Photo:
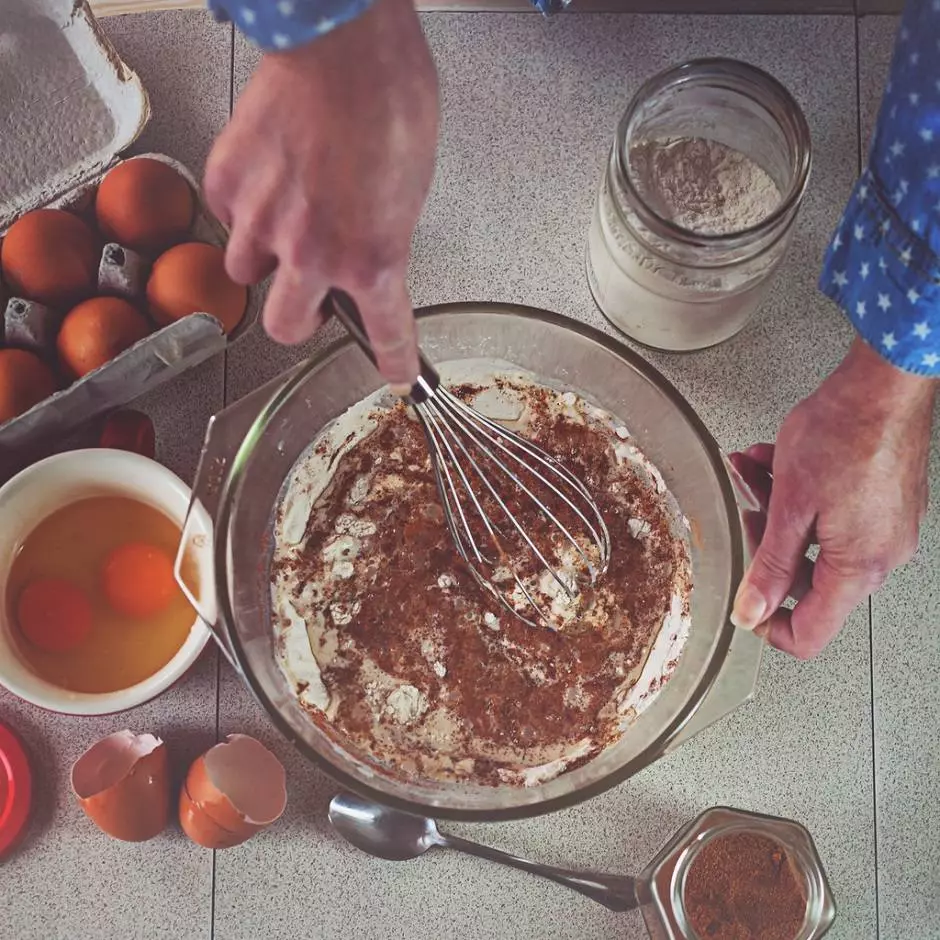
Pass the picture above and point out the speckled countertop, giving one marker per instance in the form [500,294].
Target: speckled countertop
[848,743]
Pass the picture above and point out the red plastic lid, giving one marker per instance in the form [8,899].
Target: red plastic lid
[16,786]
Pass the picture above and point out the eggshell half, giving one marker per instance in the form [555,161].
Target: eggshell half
[234,790]
[204,831]
[123,785]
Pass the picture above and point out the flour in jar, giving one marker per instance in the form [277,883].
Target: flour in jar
[682,296]
[702,185]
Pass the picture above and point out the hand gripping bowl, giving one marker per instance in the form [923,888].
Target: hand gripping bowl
[251,447]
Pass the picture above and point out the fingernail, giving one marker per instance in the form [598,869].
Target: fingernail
[400,389]
[750,608]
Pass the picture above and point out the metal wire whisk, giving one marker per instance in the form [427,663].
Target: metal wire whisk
[457,436]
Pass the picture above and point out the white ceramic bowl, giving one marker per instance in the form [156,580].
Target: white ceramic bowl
[40,490]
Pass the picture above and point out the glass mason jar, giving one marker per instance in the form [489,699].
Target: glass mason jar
[664,285]
[661,887]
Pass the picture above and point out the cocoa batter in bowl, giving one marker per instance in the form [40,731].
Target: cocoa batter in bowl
[347,613]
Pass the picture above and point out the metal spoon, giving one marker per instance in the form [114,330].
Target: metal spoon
[397,836]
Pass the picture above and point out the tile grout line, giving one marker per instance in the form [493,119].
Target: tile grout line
[218,656]
[231,107]
[871,603]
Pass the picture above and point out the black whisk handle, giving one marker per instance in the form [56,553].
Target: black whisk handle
[340,305]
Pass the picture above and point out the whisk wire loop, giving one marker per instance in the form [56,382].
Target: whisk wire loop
[454,431]
[478,425]
[456,435]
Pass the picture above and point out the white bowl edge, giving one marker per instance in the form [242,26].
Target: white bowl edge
[41,489]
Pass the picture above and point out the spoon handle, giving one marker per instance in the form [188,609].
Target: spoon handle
[616,892]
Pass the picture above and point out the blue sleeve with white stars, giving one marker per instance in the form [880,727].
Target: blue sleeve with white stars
[883,264]
[286,24]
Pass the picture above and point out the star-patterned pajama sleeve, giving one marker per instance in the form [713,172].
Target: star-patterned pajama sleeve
[883,264]
[285,24]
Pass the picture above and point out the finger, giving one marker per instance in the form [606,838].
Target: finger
[803,582]
[245,261]
[755,476]
[292,311]
[223,215]
[219,183]
[755,523]
[762,454]
[755,473]
[820,615]
[775,563]
[777,622]
[389,319]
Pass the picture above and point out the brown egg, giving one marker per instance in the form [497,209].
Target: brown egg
[144,204]
[25,380]
[123,785]
[50,256]
[95,331]
[191,278]
[236,789]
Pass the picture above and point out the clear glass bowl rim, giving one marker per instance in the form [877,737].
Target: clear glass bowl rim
[229,492]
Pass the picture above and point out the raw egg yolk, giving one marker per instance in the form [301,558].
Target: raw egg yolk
[54,615]
[138,580]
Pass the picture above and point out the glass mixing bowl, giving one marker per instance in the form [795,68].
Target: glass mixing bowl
[251,448]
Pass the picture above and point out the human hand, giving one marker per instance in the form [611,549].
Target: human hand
[322,173]
[849,472]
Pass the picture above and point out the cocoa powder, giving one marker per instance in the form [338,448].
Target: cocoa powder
[742,886]
[510,687]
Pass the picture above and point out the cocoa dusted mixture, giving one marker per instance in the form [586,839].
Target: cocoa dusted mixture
[742,886]
[421,669]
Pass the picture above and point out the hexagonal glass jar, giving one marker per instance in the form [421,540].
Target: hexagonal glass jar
[661,886]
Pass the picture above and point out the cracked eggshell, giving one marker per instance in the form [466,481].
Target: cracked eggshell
[122,783]
[234,790]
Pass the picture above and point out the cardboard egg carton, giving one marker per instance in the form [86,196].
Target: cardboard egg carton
[70,107]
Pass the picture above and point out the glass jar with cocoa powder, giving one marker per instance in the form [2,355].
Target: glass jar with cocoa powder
[734,875]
